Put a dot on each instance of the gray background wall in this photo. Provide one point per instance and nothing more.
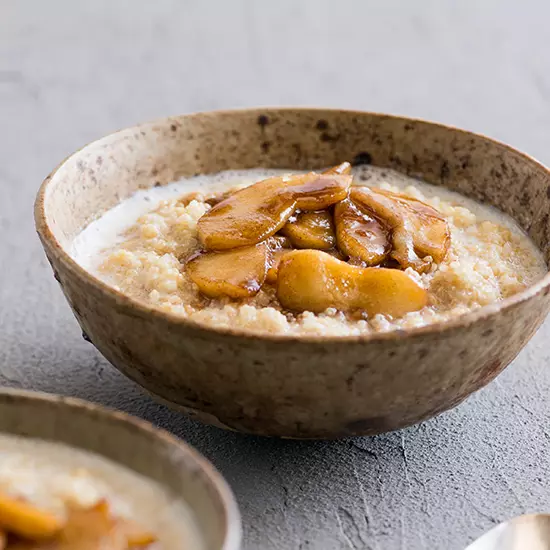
(74, 71)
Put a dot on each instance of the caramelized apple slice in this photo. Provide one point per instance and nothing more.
(311, 280)
(89, 529)
(342, 169)
(254, 213)
(432, 236)
(311, 230)
(237, 273)
(317, 192)
(384, 207)
(247, 217)
(92, 528)
(359, 235)
(23, 519)
(420, 235)
(136, 536)
(86, 529)
(278, 254)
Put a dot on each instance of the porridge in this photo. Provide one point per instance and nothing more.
(54, 497)
(322, 254)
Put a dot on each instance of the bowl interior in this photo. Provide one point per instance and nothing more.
(135, 445)
(105, 172)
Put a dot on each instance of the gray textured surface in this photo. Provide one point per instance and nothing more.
(73, 71)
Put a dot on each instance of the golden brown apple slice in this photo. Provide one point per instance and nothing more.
(432, 236)
(23, 519)
(311, 230)
(247, 217)
(319, 191)
(342, 169)
(254, 213)
(136, 536)
(237, 273)
(420, 235)
(86, 529)
(278, 254)
(92, 528)
(311, 280)
(360, 235)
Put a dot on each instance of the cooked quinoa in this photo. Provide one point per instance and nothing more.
(489, 259)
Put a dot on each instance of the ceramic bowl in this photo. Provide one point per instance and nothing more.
(132, 443)
(301, 387)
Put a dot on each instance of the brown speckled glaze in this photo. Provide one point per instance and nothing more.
(134, 444)
(301, 387)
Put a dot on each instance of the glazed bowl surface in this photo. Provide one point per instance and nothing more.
(134, 444)
(296, 386)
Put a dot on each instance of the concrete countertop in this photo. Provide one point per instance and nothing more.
(74, 71)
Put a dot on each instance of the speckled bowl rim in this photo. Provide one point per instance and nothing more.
(232, 519)
(142, 309)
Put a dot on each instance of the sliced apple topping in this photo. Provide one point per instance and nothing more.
(82, 528)
(21, 518)
(237, 273)
(254, 213)
(319, 191)
(432, 235)
(251, 236)
(91, 528)
(361, 236)
(311, 280)
(419, 234)
(311, 230)
(278, 254)
(136, 536)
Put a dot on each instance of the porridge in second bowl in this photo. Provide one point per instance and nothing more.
(55, 497)
(336, 253)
